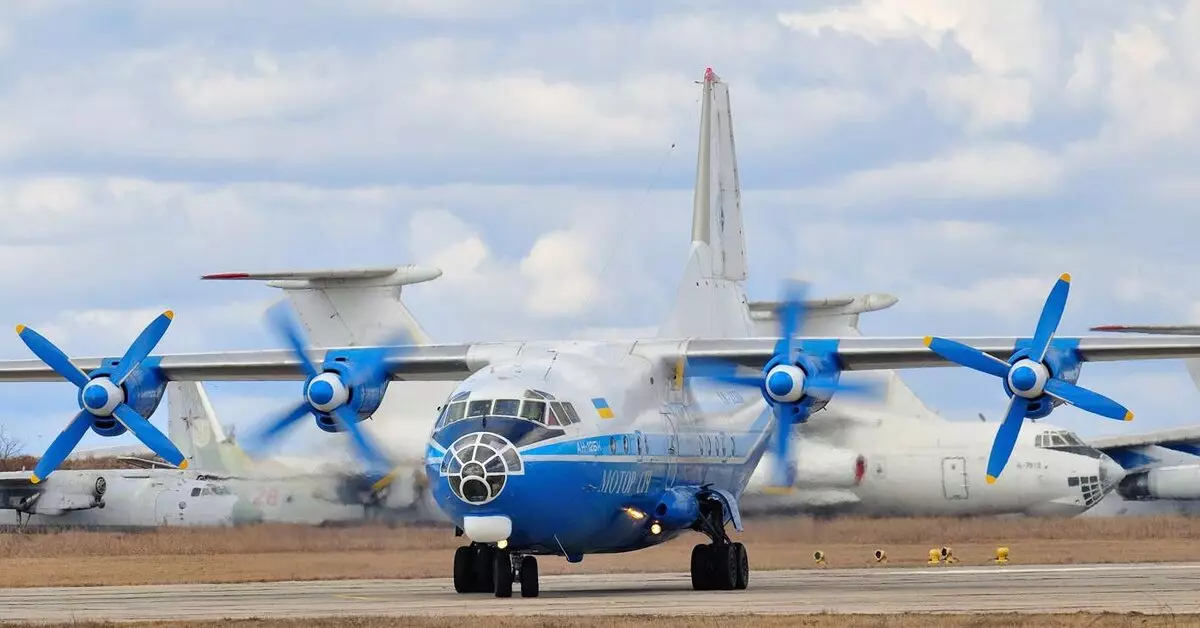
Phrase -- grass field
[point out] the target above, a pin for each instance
(1078, 620)
(280, 552)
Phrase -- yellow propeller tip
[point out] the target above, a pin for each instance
(1065, 277)
(20, 328)
(183, 464)
(169, 314)
(1128, 415)
(34, 479)
(991, 479)
(928, 340)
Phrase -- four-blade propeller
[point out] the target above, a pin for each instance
(103, 396)
(1027, 378)
(798, 379)
(330, 392)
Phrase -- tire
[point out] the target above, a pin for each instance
(701, 568)
(484, 578)
(724, 567)
(529, 577)
(743, 567)
(464, 573)
(502, 574)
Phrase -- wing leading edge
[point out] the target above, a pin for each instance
(456, 362)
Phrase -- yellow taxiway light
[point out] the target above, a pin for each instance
(1001, 555)
(935, 557)
(819, 557)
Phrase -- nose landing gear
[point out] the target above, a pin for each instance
(480, 568)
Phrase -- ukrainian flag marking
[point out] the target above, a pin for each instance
(602, 408)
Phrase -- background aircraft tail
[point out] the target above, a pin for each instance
(710, 300)
(194, 428)
(347, 308)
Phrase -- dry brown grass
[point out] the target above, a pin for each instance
(282, 552)
(1078, 620)
(27, 463)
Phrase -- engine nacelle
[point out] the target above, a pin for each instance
(1177, 482)
(677, 509)
(363, 399)
(144, 389)
(67, 493)
(823, 466)
(1063, 363)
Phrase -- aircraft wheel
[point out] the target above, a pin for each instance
(484, 558)
(503, 573)
(701, 568)
(529, 577)
(725, 564)
(464, 574)
(743, 567)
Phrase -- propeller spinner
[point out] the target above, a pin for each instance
(800, 378)
(1027, 378)
(104, 397)
(339, 393)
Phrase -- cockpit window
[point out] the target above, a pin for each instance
(461, 396)
(506, 407)
(539, 407)
(533, 410)
(1059, 441)
(196, 492)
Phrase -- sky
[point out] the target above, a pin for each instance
(957, 155)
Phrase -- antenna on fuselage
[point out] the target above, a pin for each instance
(982, 418)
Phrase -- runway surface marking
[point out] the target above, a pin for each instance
(1171, 588)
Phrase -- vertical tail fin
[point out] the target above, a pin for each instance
(193, 427)
(710, 301)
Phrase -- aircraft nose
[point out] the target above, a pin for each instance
(1110, 473)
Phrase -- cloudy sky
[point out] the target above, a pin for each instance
(957, 155)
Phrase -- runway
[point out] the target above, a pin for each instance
(1148, 588)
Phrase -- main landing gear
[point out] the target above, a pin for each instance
(480, 568)
(721, 565)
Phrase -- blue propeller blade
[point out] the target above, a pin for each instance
(1085, 399)
(783, 459)
(791, 318)
(1006, 437)
(142, 346)
(1052, 313)
(848, 389)
(283, 322)
(62, 446)
(375, 460)
(969, 357)
(148, 434)
(52, 356)
(258, 440)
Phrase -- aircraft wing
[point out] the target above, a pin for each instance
(456, 362)
(1138, 450)
(880, 353)
(1166, 330)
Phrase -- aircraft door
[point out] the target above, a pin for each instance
(169, 507)
(954, 478)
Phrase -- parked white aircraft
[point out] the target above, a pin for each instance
(221, 486)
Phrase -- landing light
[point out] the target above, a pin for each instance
(635, 514)
(501, 544)
(655, 528)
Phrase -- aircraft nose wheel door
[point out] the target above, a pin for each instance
(954, 478)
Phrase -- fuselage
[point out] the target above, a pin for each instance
(579, 452)
(934, 467)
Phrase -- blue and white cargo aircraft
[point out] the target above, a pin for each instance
(571, 448)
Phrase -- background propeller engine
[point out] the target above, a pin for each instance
(346, 388)
(114, 398)
(801, 378)
(1036, 378)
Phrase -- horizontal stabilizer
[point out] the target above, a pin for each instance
(390, 275)
(347, 307)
